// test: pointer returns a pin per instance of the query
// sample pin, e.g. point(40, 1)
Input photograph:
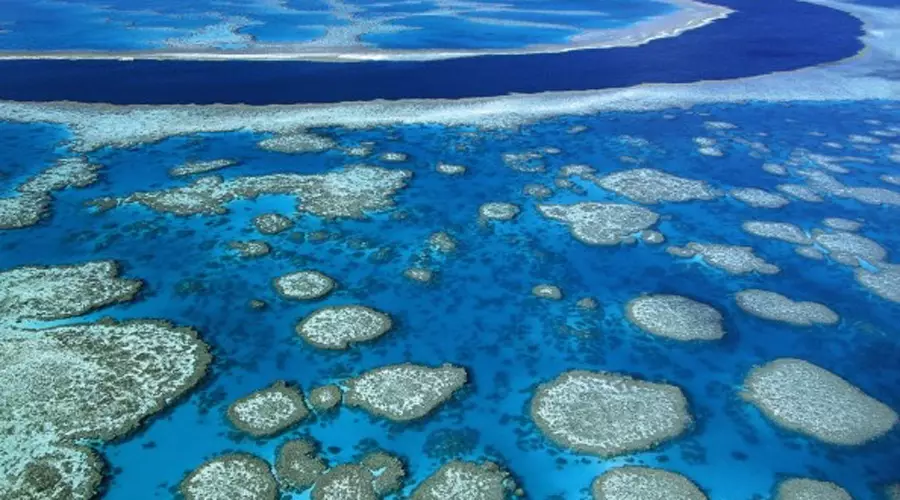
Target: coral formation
point(404, 392)
point(644, 483)
point(339, 327)
point(776, 307)
point(268, 411)
point(806, 398)
point(608, 414)
point(675, 317)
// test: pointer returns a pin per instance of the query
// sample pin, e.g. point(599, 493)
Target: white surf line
point(96, 126)
point(690, 14)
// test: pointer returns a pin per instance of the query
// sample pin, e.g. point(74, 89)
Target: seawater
point(124, 25)
point(480, 313)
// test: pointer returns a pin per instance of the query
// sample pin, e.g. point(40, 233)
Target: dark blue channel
point(761, 37)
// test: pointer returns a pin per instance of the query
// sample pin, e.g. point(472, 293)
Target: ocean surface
point(733, 47)
point(480, 313)
point(128, 25)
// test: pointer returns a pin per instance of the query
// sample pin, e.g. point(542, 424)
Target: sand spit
point(466, 480)
point(51, 293)
point(94, 381)
point(304, 285)
point(347, 193)
point(675, 317)
point(608, 414)
point(404, 392)
point(238, 476)
point(650, 186)
point(776, 307)
point(339, 327)
point(644, 483)
point(783, 231)
point(201, 167)
point(602, 223)
point(729, 258)
point(268, 411)
point(810, 489)
point(805, 398)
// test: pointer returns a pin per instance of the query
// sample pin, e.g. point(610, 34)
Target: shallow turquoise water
point(480, 313)
point(455, 32)
point(121, 25)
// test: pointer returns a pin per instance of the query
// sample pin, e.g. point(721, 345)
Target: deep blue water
point(762, 37)
point(480, 313)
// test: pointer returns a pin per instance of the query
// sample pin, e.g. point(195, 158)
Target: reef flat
point(97, 381)
point(237, 476)
point(304, 285)
point(404, 392)
point(776, 307)
point(645, 185)
point(806, 398)
point(200, 167)
point(732, 259)
point(268, 411)
point(32, 201)
point(783, 231)
point(602, 223)
point(484, 481)
point(347, 193)
point(339, 327)
point(45, 293)
point(675, 317)
point(298, 465)
point(644, 483)
point(608, 414)
point(809, 489)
